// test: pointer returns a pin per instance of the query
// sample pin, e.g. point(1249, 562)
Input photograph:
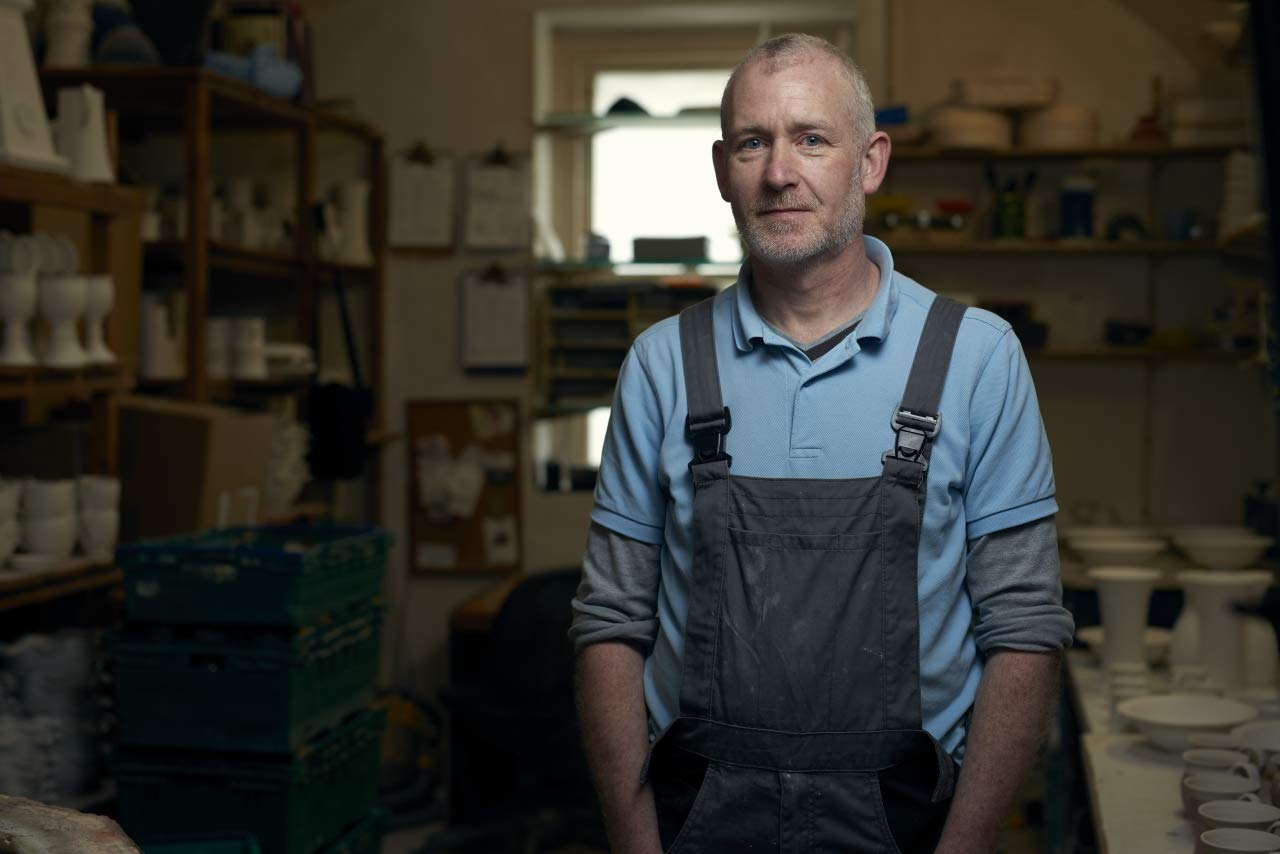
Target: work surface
point(1133, 787)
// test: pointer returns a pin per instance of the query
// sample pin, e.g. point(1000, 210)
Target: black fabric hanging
point(341, 415)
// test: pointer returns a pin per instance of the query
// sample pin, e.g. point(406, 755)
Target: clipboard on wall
point(497, 202)
point(493, 328)
point(423, 199)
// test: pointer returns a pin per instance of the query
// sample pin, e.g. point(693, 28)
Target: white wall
point(458, 75)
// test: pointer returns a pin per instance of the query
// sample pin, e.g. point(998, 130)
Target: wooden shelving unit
point(23, 588)
point(199, 105)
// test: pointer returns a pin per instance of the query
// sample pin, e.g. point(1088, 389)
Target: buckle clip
point(708, 439)
point(911, 433)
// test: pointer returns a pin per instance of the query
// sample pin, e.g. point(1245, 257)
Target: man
point(822, 567)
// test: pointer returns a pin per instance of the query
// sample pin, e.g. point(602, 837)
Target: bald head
point(785, 51)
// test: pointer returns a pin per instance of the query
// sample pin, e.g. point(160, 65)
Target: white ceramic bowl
point(1237, 839)
point(99, 493)
point(1259, 735)
point(1215, 740)
point(53, 536)
point(1248, 814)
point(1175, 532)
point(1167, 719)
point(1224, 551)
point(45, 498)
point(98, 531)
point(1103, 551)
point(1155, 641)
point(1106, 532)
point(1208, 786)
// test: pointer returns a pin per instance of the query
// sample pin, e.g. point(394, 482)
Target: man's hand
point(1010, 719)
point(616, 736)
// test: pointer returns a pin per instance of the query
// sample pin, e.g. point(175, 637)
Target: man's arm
point(1010, 719)
point(615, 733)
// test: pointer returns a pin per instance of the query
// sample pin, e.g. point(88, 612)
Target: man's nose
point(780, 172)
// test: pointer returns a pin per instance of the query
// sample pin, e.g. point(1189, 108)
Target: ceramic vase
point(354, 246)
point(62, 301)
point(99, 297)
point(17, 305)
point(81, 133)
point(1123, 593)
point(25, 138)
point(162, 342)
point(68, 34)
point(1221, 634)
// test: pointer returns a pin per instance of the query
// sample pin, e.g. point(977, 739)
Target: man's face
point(790, 164)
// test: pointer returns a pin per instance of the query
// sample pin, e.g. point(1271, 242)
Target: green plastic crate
point(292, 805)
point(208, 844)
point(243, 690)
point(282, 575)
point(364, 838)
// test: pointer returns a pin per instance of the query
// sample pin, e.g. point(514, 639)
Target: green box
point(245, 690)
point(283, 575)
point(204, 845)
point(292, 805)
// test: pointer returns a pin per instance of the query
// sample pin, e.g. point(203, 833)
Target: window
point(658, 181)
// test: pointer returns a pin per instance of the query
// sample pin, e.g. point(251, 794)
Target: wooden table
point(1134, 788)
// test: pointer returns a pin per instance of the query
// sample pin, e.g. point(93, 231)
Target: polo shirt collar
point(750, 327)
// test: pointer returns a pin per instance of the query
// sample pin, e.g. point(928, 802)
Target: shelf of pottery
point(241, 204)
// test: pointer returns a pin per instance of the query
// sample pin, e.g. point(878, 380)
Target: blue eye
point(812, 140)
point(753, 144)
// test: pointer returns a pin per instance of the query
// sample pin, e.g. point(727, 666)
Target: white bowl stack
point(48, 518)
point(99, 514)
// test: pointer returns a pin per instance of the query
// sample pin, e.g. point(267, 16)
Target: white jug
point(81, 133)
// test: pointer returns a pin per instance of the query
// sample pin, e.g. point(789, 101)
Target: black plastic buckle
point(708, 439)
point(911, 433)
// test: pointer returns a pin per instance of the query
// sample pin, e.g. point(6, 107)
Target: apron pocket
point(801, 641)
point(915, 821)
point(835, 811)
point(709, 806)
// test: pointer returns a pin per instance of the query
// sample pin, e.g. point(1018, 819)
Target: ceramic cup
point(1246, 814)
point(44, 498)
point(1200, 759)
point(1236, 839)
point(98, 531)
point(1216, 741)
point(53, 536)
point(1201, 788)
point(97, 493)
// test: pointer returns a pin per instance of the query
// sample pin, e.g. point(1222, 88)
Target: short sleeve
point(629, 497)
point(1009, 474)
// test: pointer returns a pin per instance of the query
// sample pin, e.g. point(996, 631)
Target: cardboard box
point(179, 460)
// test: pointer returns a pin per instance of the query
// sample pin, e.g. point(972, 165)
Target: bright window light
point(658, 181)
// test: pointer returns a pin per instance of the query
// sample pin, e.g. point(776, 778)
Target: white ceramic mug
point(1201, 759)
point(52, 536)
point(1236, 839)
point(1246, 814)
point(98, 532)
point(1201, 788)
point(1219, 741)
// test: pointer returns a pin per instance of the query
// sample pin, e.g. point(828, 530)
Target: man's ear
point(875, 161)
point(720, 159)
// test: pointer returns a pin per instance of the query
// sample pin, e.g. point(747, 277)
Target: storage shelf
point(47, 383)
point(20, 588)
point(170, 255)
point(157, 96)
point(29, 186)
point(1056, 247)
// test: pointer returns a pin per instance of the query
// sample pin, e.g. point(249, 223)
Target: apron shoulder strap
point(916, 420)
point(708, 420)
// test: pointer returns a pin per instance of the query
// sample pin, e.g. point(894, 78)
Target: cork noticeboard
point(464, 485)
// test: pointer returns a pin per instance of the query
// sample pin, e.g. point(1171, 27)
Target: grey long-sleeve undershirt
point(1012, 576)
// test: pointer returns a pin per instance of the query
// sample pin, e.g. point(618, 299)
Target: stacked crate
point(243, 681)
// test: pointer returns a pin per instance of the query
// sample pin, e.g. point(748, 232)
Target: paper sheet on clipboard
point(497, 205)
point(495, 323)
point(422, 203)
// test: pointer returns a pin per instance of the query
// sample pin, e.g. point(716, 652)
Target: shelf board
point(575, 124)
point(583, 374)
point(170, 255)
point(619, 314)
point(24, 383)
point(20, 588)
point(1249, 242)
point(1056, 247)
point(1107, 152)
point(228, 388)
point(699, 274)
point(157, 96)
point(601, 344)
point(29, 186)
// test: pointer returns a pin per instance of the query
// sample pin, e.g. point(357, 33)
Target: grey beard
point(834, 238)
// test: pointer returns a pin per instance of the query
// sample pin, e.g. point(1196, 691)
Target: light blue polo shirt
point(792, 418)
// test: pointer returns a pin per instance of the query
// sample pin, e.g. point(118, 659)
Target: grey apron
point(799, 726)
